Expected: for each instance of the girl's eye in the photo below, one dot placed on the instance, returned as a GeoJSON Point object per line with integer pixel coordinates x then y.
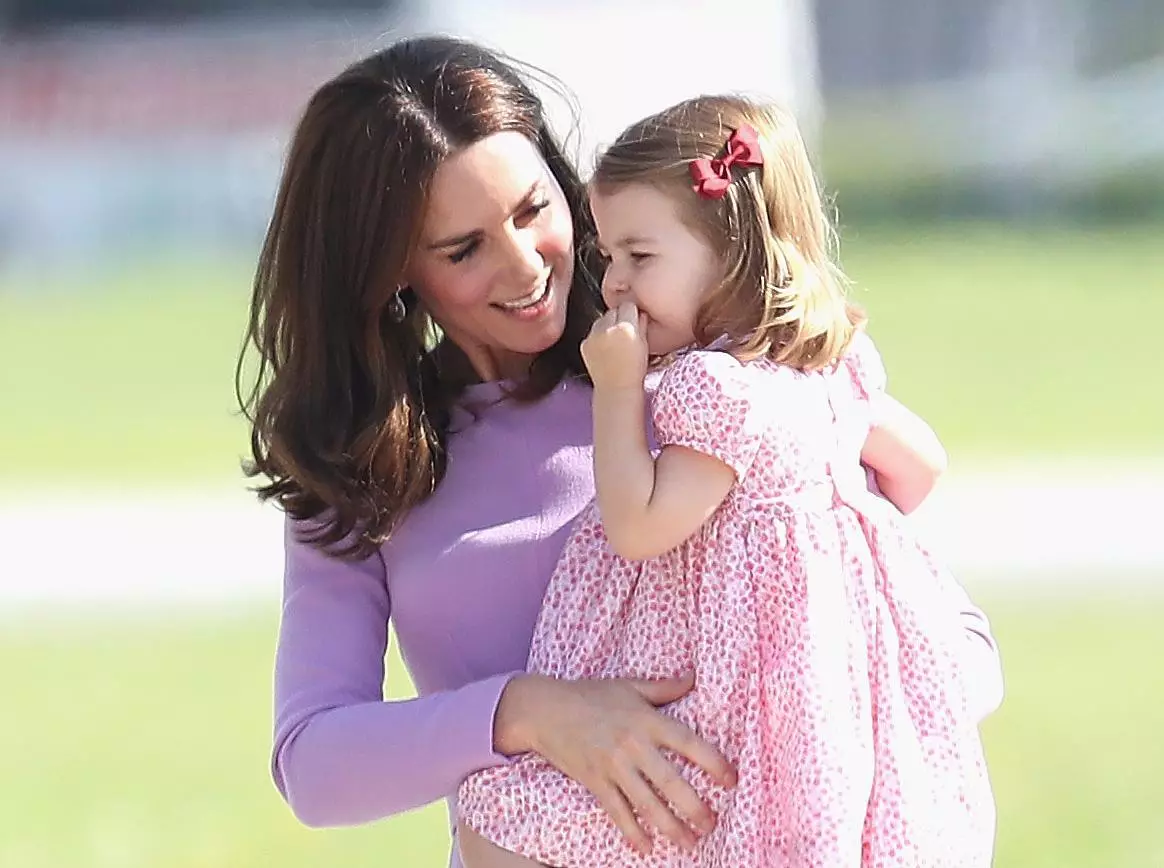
{"type": "Point", "coordinates": [464, 253]}
{"type": "Point", "coordinates": [640, 257]}
{"type": "Point", "coordinates": [537, 208]}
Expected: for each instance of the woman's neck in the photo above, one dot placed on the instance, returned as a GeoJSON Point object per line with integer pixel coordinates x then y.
{"type": "Point", "coordinates": [480, 366]}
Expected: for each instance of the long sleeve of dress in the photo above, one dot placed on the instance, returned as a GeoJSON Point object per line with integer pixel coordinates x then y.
{"type": "Point", "coordinates": [981, 661]}
{"type": "Point", "coordinates": [342, 755]}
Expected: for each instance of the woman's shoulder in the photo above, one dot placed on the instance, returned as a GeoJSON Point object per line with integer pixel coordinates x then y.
{"type": "Point", "coordinates": [495, 403]}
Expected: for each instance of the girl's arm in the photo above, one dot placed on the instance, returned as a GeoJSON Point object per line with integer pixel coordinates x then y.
{"type": "Point", "coordinates": [702, 419]}
{"type": "Point", "coordinates": [904, 453]}
{"type": "Point", "coordinates": [649, 505]}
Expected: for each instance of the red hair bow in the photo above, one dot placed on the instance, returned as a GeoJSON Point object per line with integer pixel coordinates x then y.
{"type": "Point", "coordinates": [713, 177]}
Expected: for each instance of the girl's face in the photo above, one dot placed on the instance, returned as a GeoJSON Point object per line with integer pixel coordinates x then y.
{"type": "Point", "coordinates": [495, 260]}
{"type": "Point", "coordinates": [655, 261]}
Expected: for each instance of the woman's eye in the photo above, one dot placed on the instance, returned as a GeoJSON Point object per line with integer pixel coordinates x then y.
{"type": "Point", "coordinates": [464, 253]}
{"type": "Point", "coordinates": [640, 257]}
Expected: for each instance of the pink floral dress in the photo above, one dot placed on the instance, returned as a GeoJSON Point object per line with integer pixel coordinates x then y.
{"type": "Point", "coordinates": [826, 651]}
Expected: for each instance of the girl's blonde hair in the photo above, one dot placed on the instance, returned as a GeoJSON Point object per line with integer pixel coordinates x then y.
{"type": "Point", "coordinates": [782, 295]}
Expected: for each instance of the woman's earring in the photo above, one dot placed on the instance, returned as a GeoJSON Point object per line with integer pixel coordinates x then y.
{"type": "Point", "coordinates": [396, 309]}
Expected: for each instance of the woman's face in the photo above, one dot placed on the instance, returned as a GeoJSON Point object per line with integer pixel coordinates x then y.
{"type": "Point", "coordinates": [495, 260]}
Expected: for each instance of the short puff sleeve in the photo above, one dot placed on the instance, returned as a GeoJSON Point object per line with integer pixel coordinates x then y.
{"type": "Point", "coordinates": [705, 402]}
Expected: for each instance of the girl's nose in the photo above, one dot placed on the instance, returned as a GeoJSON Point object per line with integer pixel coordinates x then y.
{"type": "Point", "coordinates": [613, 289]}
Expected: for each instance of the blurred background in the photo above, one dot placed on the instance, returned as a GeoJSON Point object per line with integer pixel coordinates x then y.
{"type": "Point", "coordinates": [998, 169]}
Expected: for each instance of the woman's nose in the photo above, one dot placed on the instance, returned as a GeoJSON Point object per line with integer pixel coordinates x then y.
{"type": "Point", "coordinates": [525, 260]}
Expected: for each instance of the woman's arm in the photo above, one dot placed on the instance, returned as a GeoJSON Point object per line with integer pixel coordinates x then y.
{"type": "Point", "coordinates": [904, 453]}
{"type": "Point", "coordinates": [982, 662]}
{"type": "Point", "coordinates": [342, 755]}
{"type": "Point", "coordinates": [649, 505]}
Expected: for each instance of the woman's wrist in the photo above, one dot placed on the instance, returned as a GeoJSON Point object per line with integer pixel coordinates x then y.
{"type": "Point", "coordinates": [513, 732]}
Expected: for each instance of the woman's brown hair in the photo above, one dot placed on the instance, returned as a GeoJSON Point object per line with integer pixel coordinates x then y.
{"type": "Point", "coordinates": [782, 296]}
{"type": "Point", "coordinates": [349, 407]}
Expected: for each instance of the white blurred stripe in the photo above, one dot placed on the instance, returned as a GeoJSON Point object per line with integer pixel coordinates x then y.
{"type": "Point", "coordinates": [139, 547]}
{"type": "Point", "coordinates": [1068, 524]}
{"type": "Point", "coordinates": [1041, 526]}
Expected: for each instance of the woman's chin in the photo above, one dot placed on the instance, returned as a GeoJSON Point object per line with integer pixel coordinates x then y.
{"type": "Point", "coordinates": [532, 342]}
{"type": "Point", "coordinates": [546, 339]}
{"type": "Point", "coordinates": [541, 334]}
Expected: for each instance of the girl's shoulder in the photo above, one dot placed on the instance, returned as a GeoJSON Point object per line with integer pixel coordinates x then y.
{"type": "Point", "coordinates": [863, 363]}
{"type": "Point", "coordinates": [719, 373]}
{"type": "Point", "coordinates": [707, 370]}
{"type": "Point", "coordinates": [710, 364]}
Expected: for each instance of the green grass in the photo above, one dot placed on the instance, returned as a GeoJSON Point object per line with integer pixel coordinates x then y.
{"type": "Point", "coordinates": [1075, 751]}
{"type": "Point", "coordinates": [1016, 342]}
{"type": "Point", "coordinates": [130, 743]}
{"type": "Point", "coordinates": [127, 379]}
{"type": "Point", "coordinates": [1011, 342]}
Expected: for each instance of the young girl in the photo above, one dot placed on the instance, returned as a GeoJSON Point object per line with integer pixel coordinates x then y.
{"type": "Point", "coordinates": [749, 549]}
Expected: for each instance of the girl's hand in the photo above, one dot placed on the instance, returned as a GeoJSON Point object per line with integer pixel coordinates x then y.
{"type": "Point", "coordinates": [609, 736]}
{"type": "Point", "coordinates": [615, 351]}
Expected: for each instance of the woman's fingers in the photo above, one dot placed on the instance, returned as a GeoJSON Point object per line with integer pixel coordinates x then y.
{"type": "Point", "coordinates": [650, 807]}
{"type": "Point", "coordinates": [610, 736]}
{"type": "Point", "coordinates": [615, 803]}
{"type": "Point", "coordinates": [666, 780]}
{"type": "Point", "coordinates": [678, 738]}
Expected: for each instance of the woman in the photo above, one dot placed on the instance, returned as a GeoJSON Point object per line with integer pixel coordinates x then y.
{"type": "Point", "coordinates": [430, 477]}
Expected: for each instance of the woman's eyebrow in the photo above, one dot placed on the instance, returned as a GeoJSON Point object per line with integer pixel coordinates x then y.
{"type": "Point", "coordinates": [457, 240]}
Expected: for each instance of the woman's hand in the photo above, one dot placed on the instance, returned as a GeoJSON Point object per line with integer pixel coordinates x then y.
{"type": "Point", "coordinates": [609, 736]}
